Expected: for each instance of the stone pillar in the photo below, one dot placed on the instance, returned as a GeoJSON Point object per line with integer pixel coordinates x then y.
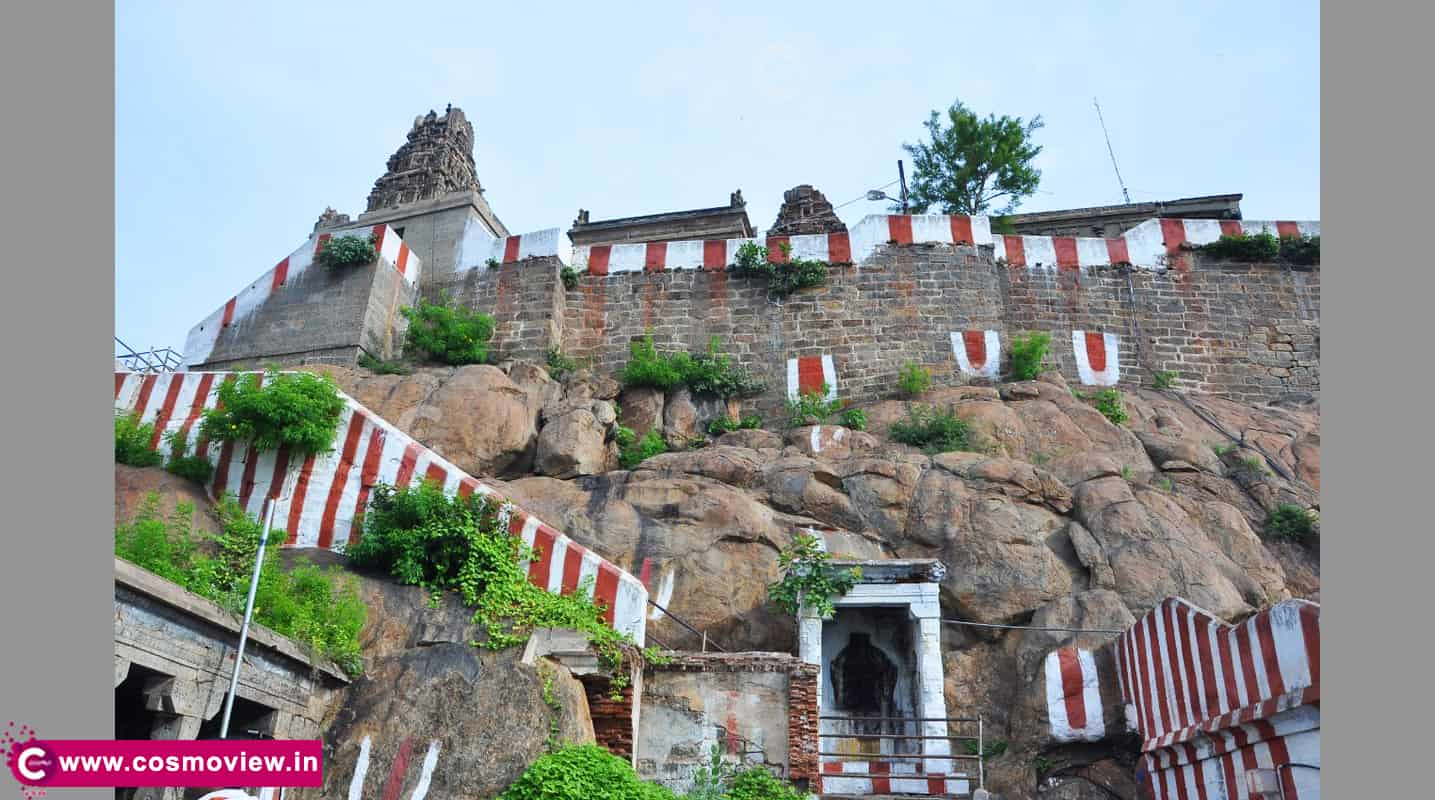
{"type": "Point", "coordinates": [932, 699]}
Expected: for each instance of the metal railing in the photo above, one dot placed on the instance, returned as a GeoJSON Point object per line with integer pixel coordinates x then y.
{"type": "Point", "coordinates": [155, 359]}
{"type": "Point", "coordinates": [920, 758]}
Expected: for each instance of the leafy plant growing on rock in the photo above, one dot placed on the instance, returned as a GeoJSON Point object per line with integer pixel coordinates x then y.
{"type": "Point", "coordinates": [710, 372]}
{"type": "Point", "coordinates": [569, 276]}
{"type": "Point", "coordinates": [647, 367]}
{"type": "Point", "coordinates": [132, 441]}
{"type": "Point", "coordinates": [319, 608]}
{"type": "Point", "coordinates": [379, 366]}
{"type": "Point", "coordinates": [783, 277]}
{"type": "Point", "coordinates": [583, 772]}
{"type": "Point", "coordinates": [809, 578]}
{"type": "Point", "coordinates": [347, 251]}
{"type": "Point", "coordinates": [297, 410]}
{"type": "Point", "coordinates": [914, 379]}
{"type": "Point", "coordinates": [932, 429]}
{"type": "Point", "coordinates": [1291, 522]}
{"type": "Point", "coordinates": [559, 365]}
{"type": "Point", "coordinates": [1027, 354]}
{"type": "Point", "coordinates": [723, 425]}
{"type": "Point", "coordinates": [1165, 379]}
{"type": "Point", "coordinates": [1108, 402]}
{"type": "Point", "coordinates": [854, 418]}
{"type": "Point", "coordinates": [448, 333]}
{"type": "Point", "coordinates": [633, 451]}
{"type": "Point", "coordinates": [812, 407]}
{"type": "Point", "coordinates": [196, 468]}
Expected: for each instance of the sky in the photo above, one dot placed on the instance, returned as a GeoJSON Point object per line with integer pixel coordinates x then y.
{"type": "Point", "coordinates": [236, 124]}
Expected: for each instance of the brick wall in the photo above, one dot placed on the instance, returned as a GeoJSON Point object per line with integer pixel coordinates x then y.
{"type": "Point", "coordinates": [802, 724]}
{"type": "Point", "coordinates": [612, 719]}
{"type": "Point", "coordinates": [1246, 331]}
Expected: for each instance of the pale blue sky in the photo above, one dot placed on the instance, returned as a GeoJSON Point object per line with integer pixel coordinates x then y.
{"type": "Point", "coordinates": [235, 125]}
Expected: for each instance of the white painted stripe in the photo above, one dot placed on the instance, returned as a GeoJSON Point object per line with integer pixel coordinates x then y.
{"type": "Point", "coordinates": [263, 476]}
{"type": "Point", "coordinates": [792, 383]}
{"type": "Point", "coordinates": [685, 255]}
{"type": "Point", "coordinates": [1163, 659]}
{"type": "Point", "coordinates": [1290, 646]}
{"type": "Point", "coordinates": [1040, 252]}
{"type": "Point", "coordinates": [665, 594]}
{"type": "Point", "coordinates": [588, 571]}
{"type": "Point", "coordinates": [1091, 697]}
{"type": "Point", "coordinates": [1178, 664]}
{"type": "Point", "coordinates": [555, 566]}
{"type": "Point", "coordinates": [1203, 702]}
{"type": "Point", "coordinates": [627, 258]}
{"type": "Point", "coordinates": [1213, 630]}
{"type": "Point", "coordinates": [529, 534]}
{"type": "Point", "coordinates": [1056, 700]}
{"type": "Point", "coordinates": [931, 228]}
{"type": "Point", "coordinates": [1263, 683]}
{"type": "Point", "coordinates": [829, 374]}
{"type": "Point", "coordinates": [361, 768]}
{"type": "Point", "coordinates": [430, 761]}
{"type": "Point", "coordinates": [1243, 696]}
{"type": "Point", "coordinates": [1092, 252]}
{"type": "Point", "coordinates": [1202, 231]}
{"type": "Point", "coordinates": [998, 248]}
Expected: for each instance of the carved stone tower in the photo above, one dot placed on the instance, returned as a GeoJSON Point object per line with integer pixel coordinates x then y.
{"type": "Point", "coordinates": [436, 160]}
{"type": "Point", "coordinates": [805, 211]}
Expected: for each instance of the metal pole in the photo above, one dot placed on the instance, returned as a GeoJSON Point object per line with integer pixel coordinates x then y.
{"type": "Point", "coordinates": [902, 176]}
{"type": "Point", "coordinates": [248, 612]}
{"type": "Point", "coordinates": [981, 755]}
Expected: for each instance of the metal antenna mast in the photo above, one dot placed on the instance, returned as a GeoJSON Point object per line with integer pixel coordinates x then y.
{"type": "Point", "coordinates": [1112, 153]}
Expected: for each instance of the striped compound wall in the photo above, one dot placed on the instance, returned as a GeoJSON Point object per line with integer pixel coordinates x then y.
{"type": "Point", "coordinates": [886, 777]}
{"type": "Point", "coordinates": [1225, 711]}
{"type": "Point", "coordinates": [202, 337]}
{"type": "Point", "coordinates": [320, 497]}
{"type": "Point", "coordinates": [1155, 244]}
{"type": "Point", "coordinates": [478, 248]}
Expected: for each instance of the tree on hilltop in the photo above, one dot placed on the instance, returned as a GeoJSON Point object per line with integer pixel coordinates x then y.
{"type": "Point", "coordinates": [973, 162]}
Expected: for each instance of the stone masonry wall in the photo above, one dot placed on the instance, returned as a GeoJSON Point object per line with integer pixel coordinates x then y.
{"type": "Point", "coordinates": [1246, 331]}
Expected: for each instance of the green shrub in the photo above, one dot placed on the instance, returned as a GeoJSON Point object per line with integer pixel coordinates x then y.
{"type": "Point", "coordinates": [713, 372]}
{"type": "Point", "coordinates": [932, 429]}
{"type": "Point", "coordinates": [1222, 449]}
{"type": "Point", "coordinates": [559, 365]}
{"type": "Point", "coordinates": [298, 410]}
{"type": "Point", "coordinates": [1254, 465]}
{"type": "Point", "coordinates": [991, 749]}
{"type": "Point", "coordinates": [447, 333]}
{"type": "Point", "coordinates": [647, 367]}
{"type": "Point", "coordinates": [854, 418]}
{"type": "Point", "coordinates": [914, 379]}
{"type": "Point", "coordinates": [319, 608]}
{"type": "Point", "coordinates": [808, 577]}
{"type": "Point", "coordinates": [492, 263]}
{"type": "Point", "coordinates": [381, 367]}
{"type": "Point", "coordinates": [1289, 521]}
{"type": "Point", "coordinates": [1027, 354]}
{"type": "Point", "coordinates": [1165, 379]}
{"type": "Point", "coordinates": [1256, 247]}
{"type": "Point", "coordinates": [723, 425]}
{"type": "Point", "coordinates": [633, 451]}
{"type": "Point", "coordinates": [196, 467]}
{"type": "Point", "coordinates": [1108, 402]}
{"type": "Point", "coordinates": [756, 783]}
{"type": "Point", "coordinates": [583, 772]}
{"type": "Point", "coordinates": [132, 441]}
{"type": "Point", "coordinates": [812, 408]}
{"type": "Point", "coordinates": [347, 251]}
{"type": "Point", "coordinates": [1300, 250]}
{"type": "Point", "coordinates": [782, 279]}
{"type": "Point", "coordinates": [569, 277]}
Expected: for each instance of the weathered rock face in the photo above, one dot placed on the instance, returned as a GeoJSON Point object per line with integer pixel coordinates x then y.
{"type": "Point", "coordinates": [134, 484]}
{"type": "Point", "coordinates": [574, 443]}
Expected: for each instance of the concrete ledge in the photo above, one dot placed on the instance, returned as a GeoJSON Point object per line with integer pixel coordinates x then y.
{"type": "Point", "coordinates": [143, 582]}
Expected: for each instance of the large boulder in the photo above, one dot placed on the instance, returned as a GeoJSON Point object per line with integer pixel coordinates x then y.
{"type": "Point", "coordinates": [642, 409]}
{"type": "Point", "coordinates": [573, 444]}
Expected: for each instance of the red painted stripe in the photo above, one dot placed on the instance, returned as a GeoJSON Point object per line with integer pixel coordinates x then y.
{"type": "Point", "coordinates": [936, 785]}
{"type": "Point", "coordinates": [899, 228]}
{"type": "Point", "coordinates": [301, 488]}
{"type": "Point", "coordinates": [1269, 661]}
{"type": "Point", "coordinates": [655, 256]}
{"type": "Point", "coordinates": [246, 480]}
{"type": "Point", "coordinates": [606, 590]}
{"type": "Point", "coordinates": [880, 785]}
{"type": "Point", "coordinates": [228, 312]}
{"type": "Point", "coordinates": [436, 473]}
{"type": "Point", "coordinates": [510, 250]}
{"type": "Point", "coordinates": [403, 265]}
{"type": "Point", "coordinates": [1116, 251]}
{"type": "Point", "coordinates": [572, 566]}
{"type": "Point", "coordinates": [1228, 765]}
{"type": "Point", "coordinates": [646, 572]}
{"type": "Point", "coordinates": [1176, 667]}
{"type": "Point", "coordinates": [406, 465]}
{"type": "Point", "coordinates": [1168, 720]}
{"type": "Point", "coordinates": [196, 407]}
{"type": "Point", "coordinates": [1178, 773]}
{"type": "Point", "coordinates": [341, 477]}
{"type": "Point", "coordinates": [319, 245]}
{"type": "Point", "coordinates": [166, 409]}
{"type": "Point", "coordinates": [1066, 257]}
{"type": "Point", "coordinates": [281, 468]}
{"type": "Point", "coordinates": [1248, 665]}
{"type": "Point", "coordinates": [120, 382]}
{"type": "Point", "coordinates": [1173, 234]}
{"type": "Point", "coordinates": [1096, 351]}
{"type": "Point", "coordinates": [598, 258]}
{"type": "Point", "coordinates": [839, 248]}
{"type": "Point", "coordinates": [1192, 680]}
{"type": "Point", "coordinates": [467, 486]}
{"type": "Point", "coordinates": [831, 767]}
{"type": "Point", "coordinates": [401, 768]}
{"type": "Point", "coordinates": [809, 374]}
{"type": "Point", "coordinates": [368, 476]}
{"type": "Point", "coordinates": [1148, 703]}
{"type": "Point", "coordinates": [146, 387]}
{"type": "Point", "coordinates": [379, 238]}
{"type": "Point", "coordinates": [1205, 655]}
{"type": "Point", "coordinates": [975, 343]}
{"type": "Point", "coordinates": [281, 274]}
{"type": "Point", "coordinates": [1071, 687]}
{"type": "Point", "coordinates": [961, 229]}
{"type": "Point", "coordinates": [775, 254]}
{"type": "Point", "coordinates": [544, 540]}
{"type": "Point", "coordinates": [1248, 758]}
{"type": "Point", "coordinates": [1287, 230]}
{"type": "Point", "coordinates": [1231, 227]}
{"type": "Point", "coordinates": [1228, 667]}
{"type": "Point", "coordinates": [1310, 630]}
{"type": "Point", "coordinates": [714, 254]}
{"type": "Point", "coordinates": [1015, 251]}
{"type": "Point", "coordinates": [221, 470]}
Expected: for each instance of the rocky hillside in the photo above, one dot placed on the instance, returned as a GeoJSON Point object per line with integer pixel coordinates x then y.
{"type": "Point", "coordinates": [1061, 519]}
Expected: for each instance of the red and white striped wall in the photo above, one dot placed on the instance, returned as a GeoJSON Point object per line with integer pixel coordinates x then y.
{"type": "Point", "coordinates": [319, 498]}
{"type": "Point", "coordinates": [710, 254]}
{"type": "Point", "coordinates": [1098, 363]}
{"type": "Point", "coordinates": [808, 374]}
{"type": "Point", "coordinates": [387, 785]}
{"type": "Point", "coordinates": [476, 252]}
{"type": "Point", "coordinates": [978, 353]}
{"type": "Point", "coordinates": [1218, 706]}
{"type": "Point", "coordinates": [1073, 696]}
{"type": "Point", "coordinates": [887, 777]}
{"type": "Point", "coordinates": [392, 250]}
